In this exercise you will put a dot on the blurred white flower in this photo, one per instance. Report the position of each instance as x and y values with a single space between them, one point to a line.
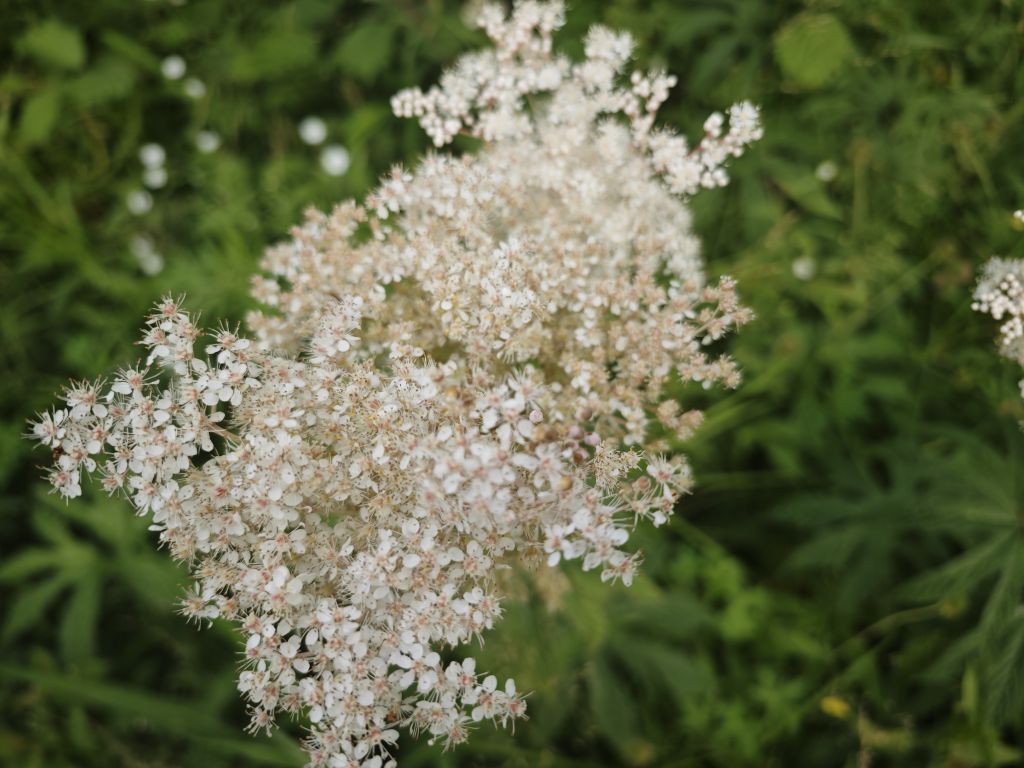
207 141
805 267
335 159
826 171
313 130
173 67
155 177
139 201
152 155
1019 215
194 88
149 259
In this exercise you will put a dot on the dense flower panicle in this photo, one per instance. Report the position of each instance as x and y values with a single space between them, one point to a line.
456 376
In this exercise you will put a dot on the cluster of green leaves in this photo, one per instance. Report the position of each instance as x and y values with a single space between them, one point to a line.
845 586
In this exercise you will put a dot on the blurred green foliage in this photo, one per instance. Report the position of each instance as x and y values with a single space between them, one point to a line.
844 588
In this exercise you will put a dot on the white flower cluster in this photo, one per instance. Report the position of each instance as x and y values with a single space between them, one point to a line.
1000 293
459 375
485 94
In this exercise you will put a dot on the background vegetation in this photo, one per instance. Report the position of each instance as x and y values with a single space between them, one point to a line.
844 589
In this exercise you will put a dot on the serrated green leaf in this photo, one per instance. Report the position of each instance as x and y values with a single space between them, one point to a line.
1004 677
1005 599
964 573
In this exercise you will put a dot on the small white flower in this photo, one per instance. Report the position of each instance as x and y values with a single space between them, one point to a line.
207 141
152 155
139 201
173 67
826 171
155 177
194 88
313 130
151 264
48 429
804 267
149 259
334 159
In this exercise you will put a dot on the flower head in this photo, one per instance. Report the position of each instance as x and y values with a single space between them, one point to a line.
453 377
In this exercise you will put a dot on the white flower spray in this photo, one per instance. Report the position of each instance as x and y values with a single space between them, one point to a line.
457 376
1000 293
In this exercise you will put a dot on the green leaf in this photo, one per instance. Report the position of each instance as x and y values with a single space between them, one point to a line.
715 63
811 49
963 573
155 579
276 53
39 117
54 44
612 705
130 49
1004 679
698 23
30 604
804 189
1005 598
111 78
365 51
79 731
675 615
830 549
28 562
664 666
78 626
51 525
186 718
